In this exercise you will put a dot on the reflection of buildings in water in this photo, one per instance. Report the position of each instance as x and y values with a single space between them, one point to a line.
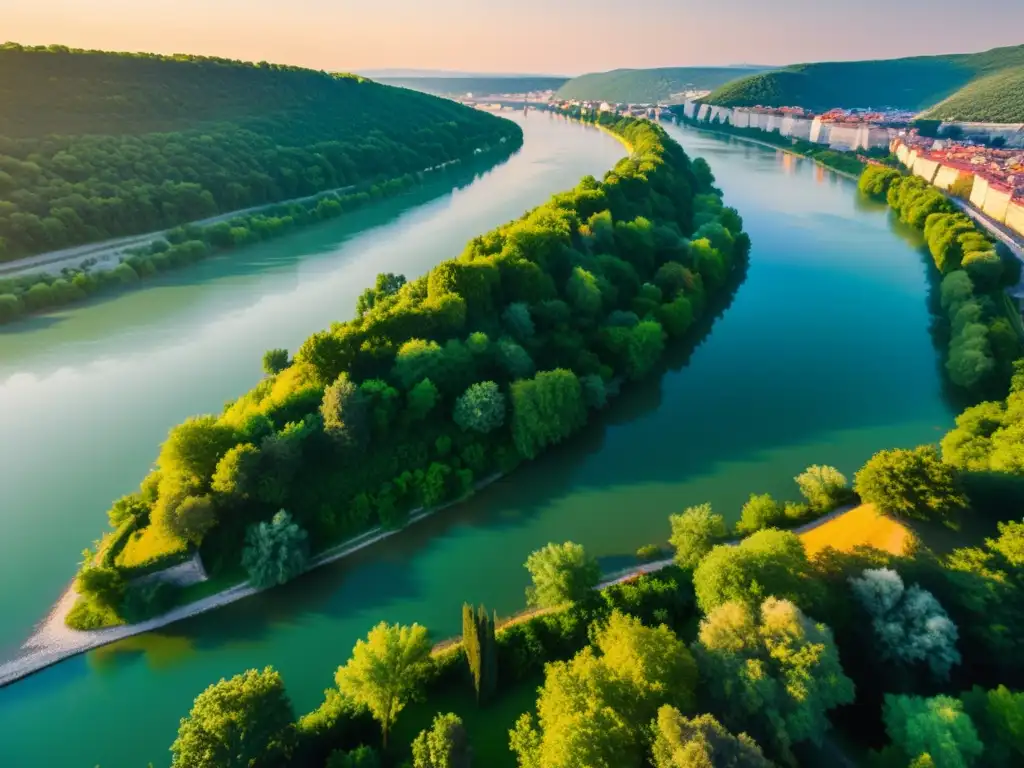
789 163
819 174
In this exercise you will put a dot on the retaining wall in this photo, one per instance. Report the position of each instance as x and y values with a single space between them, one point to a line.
182 575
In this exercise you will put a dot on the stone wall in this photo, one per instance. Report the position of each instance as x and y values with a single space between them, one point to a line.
946 176
996 203
979 192
1015 217
182 575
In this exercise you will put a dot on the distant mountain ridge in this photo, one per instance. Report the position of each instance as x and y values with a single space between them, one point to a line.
648 85
987 86
399 73
478 86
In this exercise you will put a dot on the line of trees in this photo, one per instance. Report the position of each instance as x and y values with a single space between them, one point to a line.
743 654
445 380
980 338
97 145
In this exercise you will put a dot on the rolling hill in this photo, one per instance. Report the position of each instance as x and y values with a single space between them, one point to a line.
478 86
968 86
648 85
96 145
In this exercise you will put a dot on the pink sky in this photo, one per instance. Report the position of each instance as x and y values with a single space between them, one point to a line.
550 36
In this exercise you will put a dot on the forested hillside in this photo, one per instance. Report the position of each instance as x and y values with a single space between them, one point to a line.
912 83
478 86
645 86
996 98
96 145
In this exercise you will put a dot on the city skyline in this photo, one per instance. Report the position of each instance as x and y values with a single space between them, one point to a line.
569 38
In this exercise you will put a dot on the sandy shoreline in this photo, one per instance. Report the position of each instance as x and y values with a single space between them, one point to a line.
52 641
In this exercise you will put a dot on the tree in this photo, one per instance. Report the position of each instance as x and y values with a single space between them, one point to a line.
237 472
823 487
545 410
772 669
361 757
770 562
421 399
594 710
346 413
595 392
998 716
478 643
516 318
445 745
644 349
701 742
910 483
386 671
694 533
909 625
275 552
937 727
244 722
480 408
275 361
194 447
103 585
760 512
561 573
192 519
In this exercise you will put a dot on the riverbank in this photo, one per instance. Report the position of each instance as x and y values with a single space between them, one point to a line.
750 140
53 641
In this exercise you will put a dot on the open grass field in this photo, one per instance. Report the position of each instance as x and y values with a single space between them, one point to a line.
861 526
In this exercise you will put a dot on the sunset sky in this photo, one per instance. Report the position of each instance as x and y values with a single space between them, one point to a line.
543 36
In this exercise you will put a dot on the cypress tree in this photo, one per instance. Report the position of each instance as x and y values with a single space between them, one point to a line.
471 645
488 655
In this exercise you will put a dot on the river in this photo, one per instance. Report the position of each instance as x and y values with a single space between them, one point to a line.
824 356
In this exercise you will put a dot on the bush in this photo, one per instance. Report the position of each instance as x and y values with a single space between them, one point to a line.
911 483
760 512
481 408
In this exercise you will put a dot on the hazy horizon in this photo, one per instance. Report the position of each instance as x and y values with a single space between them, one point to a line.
526 36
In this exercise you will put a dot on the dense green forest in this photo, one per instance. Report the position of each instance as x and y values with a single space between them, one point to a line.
738 653
995 98
978 327
96 145
647 86
478 86
914 83
438 382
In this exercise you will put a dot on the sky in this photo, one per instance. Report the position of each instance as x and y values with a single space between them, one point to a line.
541 36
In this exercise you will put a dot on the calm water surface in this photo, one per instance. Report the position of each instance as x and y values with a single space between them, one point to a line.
823 357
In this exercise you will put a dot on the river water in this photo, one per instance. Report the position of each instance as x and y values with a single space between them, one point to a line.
823 356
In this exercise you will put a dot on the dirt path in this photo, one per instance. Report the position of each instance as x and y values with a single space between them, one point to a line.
52 641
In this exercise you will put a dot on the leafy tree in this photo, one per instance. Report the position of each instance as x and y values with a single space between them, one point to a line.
104 585
823 487
345 410
421 399
445 745
481 408
773 670
937 727
561 573
770 562
361 757
244 722
910 625
478 642
760 512
999 717
595 392
236 473
275 361
646 344
386 671
594 709
275 552
194 447
694 533
910 483
515 360
701 742
516 318
192 519
545 410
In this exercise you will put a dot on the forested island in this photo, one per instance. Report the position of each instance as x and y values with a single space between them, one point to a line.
97 145
436 385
